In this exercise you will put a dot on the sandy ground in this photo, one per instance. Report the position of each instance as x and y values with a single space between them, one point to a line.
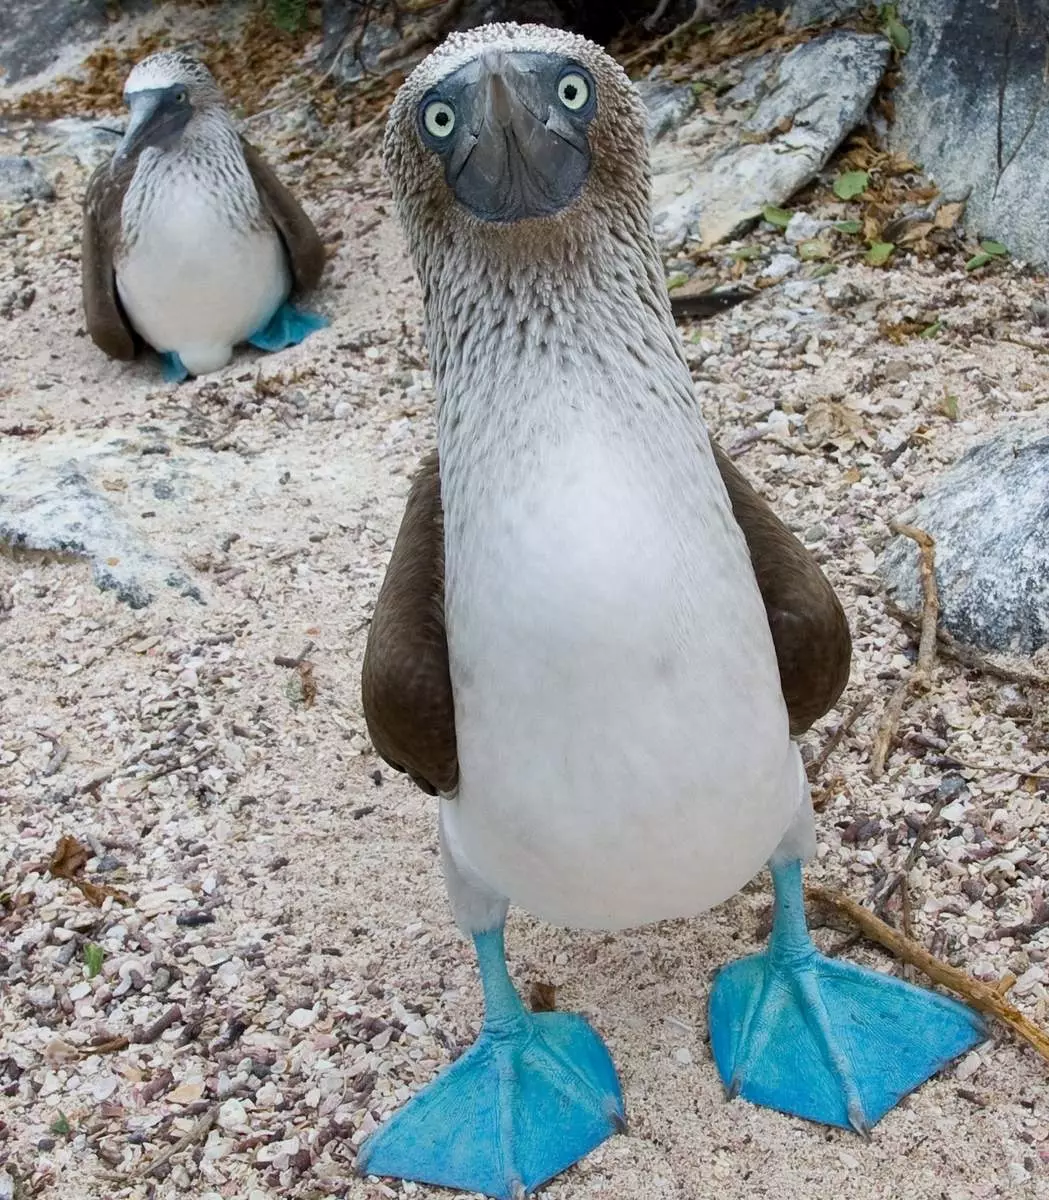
284 910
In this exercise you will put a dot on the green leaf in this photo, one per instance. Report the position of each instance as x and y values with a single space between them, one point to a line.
676 280
814 249
780 217
879 253
898 33
93 956
979 260
930 331
60 1125
288 15
745 253
824 269
949 406
850 184
848 226
995 249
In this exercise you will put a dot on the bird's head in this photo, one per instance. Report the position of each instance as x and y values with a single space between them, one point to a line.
162 93
510 131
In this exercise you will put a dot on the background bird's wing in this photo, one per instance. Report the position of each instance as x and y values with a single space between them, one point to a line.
809 628
106 321
405 683
303 243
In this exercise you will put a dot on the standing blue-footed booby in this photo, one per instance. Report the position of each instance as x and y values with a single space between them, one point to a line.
190 240
594 639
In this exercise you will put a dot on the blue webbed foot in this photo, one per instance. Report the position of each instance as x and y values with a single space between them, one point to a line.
534 1094
829 1041
287 327
172 368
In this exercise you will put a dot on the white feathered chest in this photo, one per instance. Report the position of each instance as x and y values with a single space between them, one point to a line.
200 266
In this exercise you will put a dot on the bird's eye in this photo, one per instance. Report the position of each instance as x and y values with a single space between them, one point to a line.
438 118
573 91
180 96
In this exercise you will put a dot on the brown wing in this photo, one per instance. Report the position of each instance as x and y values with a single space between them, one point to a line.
405 683
809 629
301 239
106 322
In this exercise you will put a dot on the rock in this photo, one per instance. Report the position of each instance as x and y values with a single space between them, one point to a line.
233 1115
972 108
989 515
302 1018
803 227
21 179
821 12
706 185
34 33
780 266
48 504
90 143
668 104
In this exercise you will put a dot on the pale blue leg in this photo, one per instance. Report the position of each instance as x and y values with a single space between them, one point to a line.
531 1096
287 327
172 367
822 1039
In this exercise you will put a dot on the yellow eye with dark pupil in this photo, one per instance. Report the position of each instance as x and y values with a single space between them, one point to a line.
439 118
573 91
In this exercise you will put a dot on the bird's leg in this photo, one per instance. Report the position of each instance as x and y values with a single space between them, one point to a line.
820 1038
287 327
531 1096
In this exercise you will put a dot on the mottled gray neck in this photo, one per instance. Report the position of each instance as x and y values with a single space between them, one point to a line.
207 158
524 326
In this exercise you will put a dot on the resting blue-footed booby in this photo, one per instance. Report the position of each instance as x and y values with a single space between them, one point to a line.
594 639
190 240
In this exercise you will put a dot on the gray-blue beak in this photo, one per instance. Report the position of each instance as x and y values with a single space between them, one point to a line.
158 116
517 150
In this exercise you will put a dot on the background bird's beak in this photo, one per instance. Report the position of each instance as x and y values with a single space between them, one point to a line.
158 116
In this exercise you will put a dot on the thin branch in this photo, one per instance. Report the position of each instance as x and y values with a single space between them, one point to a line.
834 741
428 31
920 678
986 998
970 657
667 38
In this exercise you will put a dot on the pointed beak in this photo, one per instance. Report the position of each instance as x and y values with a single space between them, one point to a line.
158 116
516 158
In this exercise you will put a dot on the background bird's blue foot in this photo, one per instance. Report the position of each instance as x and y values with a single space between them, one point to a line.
826 1040
287 327
534 1093
172 368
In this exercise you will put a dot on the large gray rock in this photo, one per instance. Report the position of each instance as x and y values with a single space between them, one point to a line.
49 502
973 109
35 33
21 179
712 175
989 516
88 142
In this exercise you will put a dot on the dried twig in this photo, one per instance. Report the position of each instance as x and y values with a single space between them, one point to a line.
986 998
921 677
841 729
197 1134
667 38
970 657
428 31
285 660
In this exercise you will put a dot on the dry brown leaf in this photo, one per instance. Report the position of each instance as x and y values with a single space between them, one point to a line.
67 861
186 1093
915 233
309 683
948 215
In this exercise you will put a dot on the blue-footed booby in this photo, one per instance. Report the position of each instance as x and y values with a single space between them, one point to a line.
594 639
191 242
